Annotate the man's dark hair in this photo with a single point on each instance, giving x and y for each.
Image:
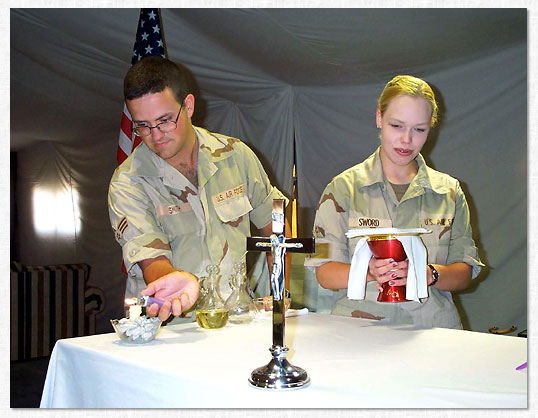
(153, 75)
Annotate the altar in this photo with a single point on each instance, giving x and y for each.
(352, 363)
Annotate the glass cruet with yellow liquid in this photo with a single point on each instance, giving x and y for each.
(210, 310)
(240, 305)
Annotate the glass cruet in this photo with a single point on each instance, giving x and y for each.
(239, 304)
(210, 310)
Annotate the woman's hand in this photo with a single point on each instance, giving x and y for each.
(382, 270)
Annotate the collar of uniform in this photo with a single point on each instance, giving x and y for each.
(144, 162)
(427, 177)
(213, 147)
(370, 171)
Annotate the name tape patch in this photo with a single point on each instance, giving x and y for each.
(364, 222)
(437, 221)
(229, 194)
(173, 209)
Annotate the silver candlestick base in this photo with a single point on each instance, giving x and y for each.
(279, 373)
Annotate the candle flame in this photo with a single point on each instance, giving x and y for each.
(131, 301)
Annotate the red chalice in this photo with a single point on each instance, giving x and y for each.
(388, 246)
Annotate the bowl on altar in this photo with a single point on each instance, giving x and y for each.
(141, 330)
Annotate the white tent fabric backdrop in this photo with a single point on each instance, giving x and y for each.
(285, 81)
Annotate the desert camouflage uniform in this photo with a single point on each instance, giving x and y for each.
(154, 210)
(362, 197)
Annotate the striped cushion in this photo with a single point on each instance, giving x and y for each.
(48, 303)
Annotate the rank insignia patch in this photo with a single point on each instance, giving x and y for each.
(122, 226)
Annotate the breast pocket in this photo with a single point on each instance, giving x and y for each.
(233, 211)
(437, 243)
(178, 220)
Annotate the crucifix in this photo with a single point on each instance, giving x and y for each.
(279, 373)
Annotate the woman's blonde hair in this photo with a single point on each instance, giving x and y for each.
(409, 86)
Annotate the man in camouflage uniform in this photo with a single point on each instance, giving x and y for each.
(185, 197)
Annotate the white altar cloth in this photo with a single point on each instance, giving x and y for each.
(352, 363)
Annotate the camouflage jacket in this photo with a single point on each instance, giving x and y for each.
(362, 197)
(154, 210)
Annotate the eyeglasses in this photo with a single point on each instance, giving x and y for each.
(165, 126)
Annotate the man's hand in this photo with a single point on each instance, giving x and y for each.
(179, 289)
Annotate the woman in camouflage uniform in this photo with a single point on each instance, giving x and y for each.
(395, 188)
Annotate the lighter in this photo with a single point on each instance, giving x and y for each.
(147, 301)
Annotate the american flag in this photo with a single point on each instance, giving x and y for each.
(149, 42)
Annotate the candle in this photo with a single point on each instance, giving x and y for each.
(134, 312)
